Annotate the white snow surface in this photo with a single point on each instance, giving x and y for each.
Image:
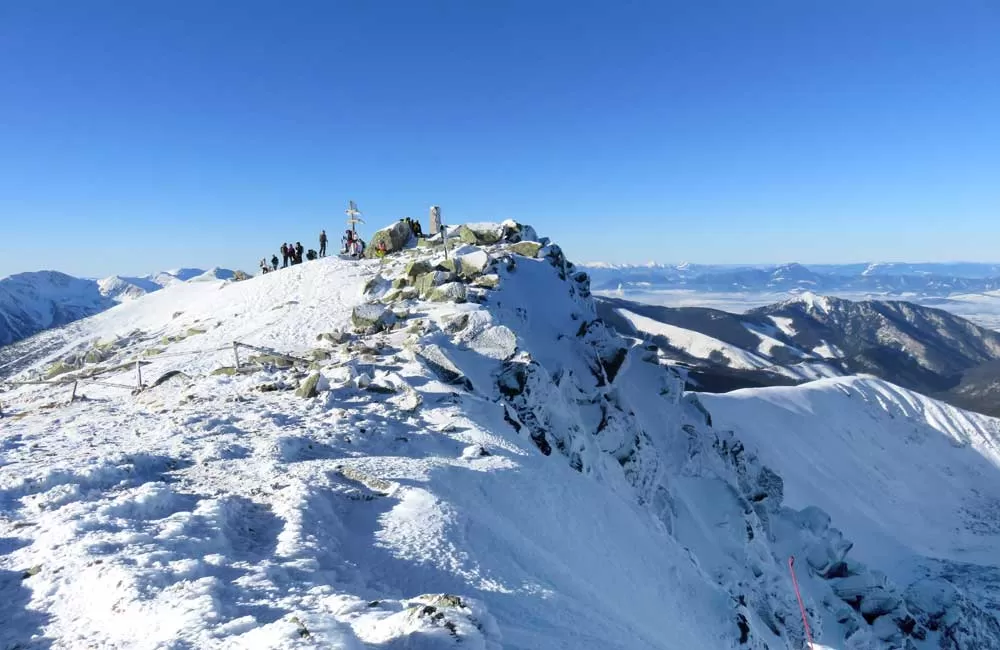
(204, 514)
(498, 473)
(902, 474)
(785, 324)
(695, 343)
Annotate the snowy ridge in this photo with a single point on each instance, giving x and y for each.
(912, 481)
(697, 344)
(472, 458)
(945, 457)
(34, 302)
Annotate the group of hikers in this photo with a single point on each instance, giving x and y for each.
(292, 254)
(351, 245)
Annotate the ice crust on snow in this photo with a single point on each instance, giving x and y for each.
(503, 472)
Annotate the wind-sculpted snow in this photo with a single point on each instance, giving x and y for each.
(484, 467)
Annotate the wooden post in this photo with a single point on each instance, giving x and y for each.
(236, 354)
(72, 396)
(138, 374)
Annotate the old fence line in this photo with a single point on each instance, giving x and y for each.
(141, 361)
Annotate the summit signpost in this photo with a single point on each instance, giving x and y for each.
(353, 215)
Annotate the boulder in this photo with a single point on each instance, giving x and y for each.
(475, 451)
(434, 358)
(272, 360)
(308, 388)
(481, 234)
(496, 342)
(526, 248)
(451, 266)
(95, 355)
(515, 232)
(372, 318)
(416, 268)
(441, 600)
(395, 237)
(167, 376)
(376, 284)
(456, 323)
(490, 281)
(474, 263)
(59, 368)
(336, 336)
(428, 281)
(450, 292)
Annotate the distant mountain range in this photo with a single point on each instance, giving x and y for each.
(36, 301)
(930, 279)
(920, 348)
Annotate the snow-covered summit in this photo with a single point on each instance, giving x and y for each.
(441, 448)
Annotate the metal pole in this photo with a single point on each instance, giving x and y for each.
(236, 354)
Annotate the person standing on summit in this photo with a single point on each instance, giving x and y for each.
(322, 243)
(284, 255)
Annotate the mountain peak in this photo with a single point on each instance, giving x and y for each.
(445, 445)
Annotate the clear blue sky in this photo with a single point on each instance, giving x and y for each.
(143, 135)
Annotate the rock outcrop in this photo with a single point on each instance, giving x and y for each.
(391, 239)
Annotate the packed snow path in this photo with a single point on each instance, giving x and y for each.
(472, 461)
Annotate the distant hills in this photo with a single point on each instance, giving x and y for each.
(37, 301)
(930, 279)
(924, 349)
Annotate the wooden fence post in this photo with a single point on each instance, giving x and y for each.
(236, 354)
(72, 396)
(138, 374)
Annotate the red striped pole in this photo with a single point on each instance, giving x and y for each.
(798, 595)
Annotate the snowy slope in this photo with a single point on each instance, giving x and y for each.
(34, 302)
(913, 482)
(902, 473)
(697, 344)
(472, 460)
(742, 350)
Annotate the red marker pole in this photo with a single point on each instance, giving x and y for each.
(798, 595)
